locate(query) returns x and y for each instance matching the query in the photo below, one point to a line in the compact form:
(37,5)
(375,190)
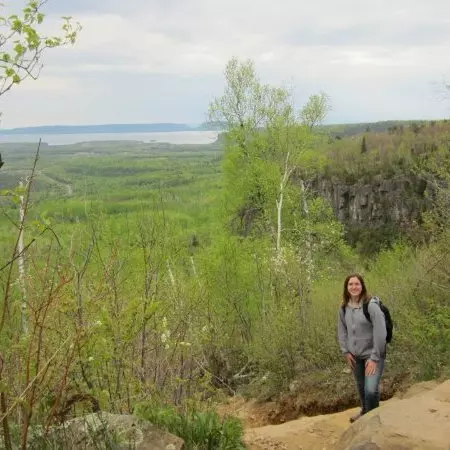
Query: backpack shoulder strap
(365,308)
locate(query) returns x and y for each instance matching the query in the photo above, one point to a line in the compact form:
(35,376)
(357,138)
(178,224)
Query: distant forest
(336,130)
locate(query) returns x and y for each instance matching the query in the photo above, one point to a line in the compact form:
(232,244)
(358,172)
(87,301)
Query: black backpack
(387,317)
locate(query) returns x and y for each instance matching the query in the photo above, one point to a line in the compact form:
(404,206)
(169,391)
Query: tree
(242,109)
(363,145)
(21,49)
(315,111)
(267,142)
(22,46)
(262,143)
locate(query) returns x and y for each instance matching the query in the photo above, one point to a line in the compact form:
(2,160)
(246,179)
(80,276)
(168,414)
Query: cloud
(376,60)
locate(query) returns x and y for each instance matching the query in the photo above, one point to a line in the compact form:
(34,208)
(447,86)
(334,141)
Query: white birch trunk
(308,244)
(21,265)
(172,278)
(279,202)
(194,269)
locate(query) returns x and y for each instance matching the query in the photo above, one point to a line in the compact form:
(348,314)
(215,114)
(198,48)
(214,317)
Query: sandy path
(306,433)
(322,432)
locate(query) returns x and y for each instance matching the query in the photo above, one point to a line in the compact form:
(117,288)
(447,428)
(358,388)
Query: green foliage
(162,301)
(315,111)
(410,283)
(264,144)
(22,45)
(364,145)
(386,154)
(169,273)
(201,430)
(390,126)
(369,241)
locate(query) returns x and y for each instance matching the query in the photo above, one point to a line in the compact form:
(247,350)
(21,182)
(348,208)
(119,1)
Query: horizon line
(191,125)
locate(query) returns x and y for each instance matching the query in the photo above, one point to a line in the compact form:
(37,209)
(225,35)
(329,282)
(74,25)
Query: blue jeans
(368,387)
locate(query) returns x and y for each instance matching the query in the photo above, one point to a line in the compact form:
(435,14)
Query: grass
(118,180)
(200,430)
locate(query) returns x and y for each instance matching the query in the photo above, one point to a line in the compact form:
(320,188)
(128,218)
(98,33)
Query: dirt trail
(306,433)
(320,432)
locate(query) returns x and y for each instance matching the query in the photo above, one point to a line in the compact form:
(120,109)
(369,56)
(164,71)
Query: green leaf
(19,49)
(25,44)
(17,25)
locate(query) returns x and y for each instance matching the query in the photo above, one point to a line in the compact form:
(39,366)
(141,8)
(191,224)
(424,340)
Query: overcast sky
(142,61)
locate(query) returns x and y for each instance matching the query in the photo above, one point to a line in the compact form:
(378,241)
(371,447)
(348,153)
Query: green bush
(201,430)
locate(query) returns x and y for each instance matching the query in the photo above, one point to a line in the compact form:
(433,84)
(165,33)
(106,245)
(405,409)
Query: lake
(173,137)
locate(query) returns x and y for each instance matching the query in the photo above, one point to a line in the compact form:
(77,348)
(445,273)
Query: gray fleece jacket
(356,335)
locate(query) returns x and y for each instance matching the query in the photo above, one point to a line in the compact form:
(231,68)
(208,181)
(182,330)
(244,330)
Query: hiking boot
(356,417)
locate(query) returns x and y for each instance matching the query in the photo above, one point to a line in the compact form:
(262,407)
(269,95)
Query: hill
(336,130)
(352,129)
(105,128)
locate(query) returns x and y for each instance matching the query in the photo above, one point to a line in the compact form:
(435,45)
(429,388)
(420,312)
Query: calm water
(178,137)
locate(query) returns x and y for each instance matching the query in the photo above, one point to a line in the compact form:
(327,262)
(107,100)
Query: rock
(365,446)
(398,200)
(377,209)
(294,387)
(418,389)
(419,422)
(117,431)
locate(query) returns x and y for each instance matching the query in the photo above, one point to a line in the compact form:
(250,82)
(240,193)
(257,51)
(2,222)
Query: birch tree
(22,44)
(266,141)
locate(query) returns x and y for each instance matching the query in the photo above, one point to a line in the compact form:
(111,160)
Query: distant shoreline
(190,137)
(107,128)
(169,127)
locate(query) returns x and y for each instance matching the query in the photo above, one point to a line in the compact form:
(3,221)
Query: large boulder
(419,422)
(104,430)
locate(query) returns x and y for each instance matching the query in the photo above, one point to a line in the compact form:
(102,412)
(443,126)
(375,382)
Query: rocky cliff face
(382,205)
(399,200)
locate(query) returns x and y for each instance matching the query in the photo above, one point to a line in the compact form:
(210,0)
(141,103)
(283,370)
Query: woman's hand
(371,367)
(350,360)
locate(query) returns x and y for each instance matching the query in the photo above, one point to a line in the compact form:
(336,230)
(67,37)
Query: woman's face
(354,287)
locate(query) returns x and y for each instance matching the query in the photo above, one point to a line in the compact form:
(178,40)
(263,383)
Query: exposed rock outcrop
(418,422)
(380,201)
(97,430)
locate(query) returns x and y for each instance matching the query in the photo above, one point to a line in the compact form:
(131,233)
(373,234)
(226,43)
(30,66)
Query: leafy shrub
(201,430)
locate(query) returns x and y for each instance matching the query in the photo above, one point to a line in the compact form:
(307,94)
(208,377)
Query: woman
(363,343)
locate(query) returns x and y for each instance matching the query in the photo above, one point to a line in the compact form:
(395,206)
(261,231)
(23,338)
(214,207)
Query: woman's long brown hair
(364,296)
